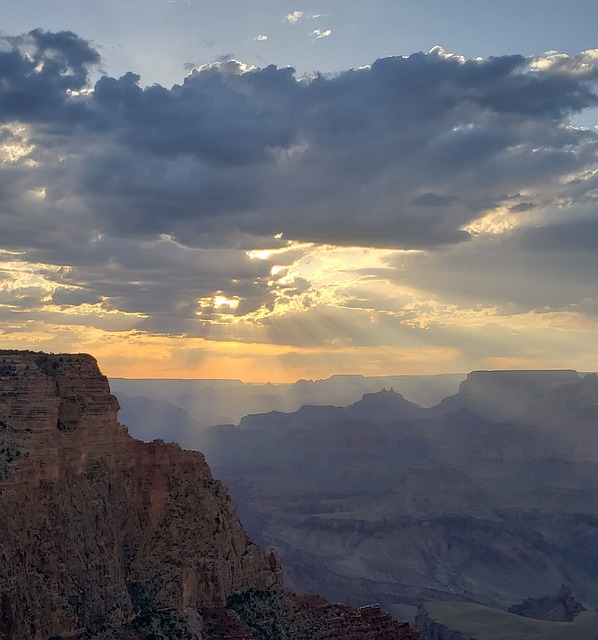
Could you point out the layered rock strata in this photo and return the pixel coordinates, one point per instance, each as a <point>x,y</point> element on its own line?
<point>104,536</point>
<point>98,524</point>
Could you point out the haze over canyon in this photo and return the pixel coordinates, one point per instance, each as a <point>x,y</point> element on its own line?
<point>488,496</point>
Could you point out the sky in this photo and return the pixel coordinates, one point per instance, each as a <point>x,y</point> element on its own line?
<point>275,190</point>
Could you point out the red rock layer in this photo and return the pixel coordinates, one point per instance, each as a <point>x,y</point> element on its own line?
<point>339,622</point>
<point>97,525</point>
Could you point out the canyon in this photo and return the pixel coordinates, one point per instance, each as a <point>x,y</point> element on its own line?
<point>106,537</point>
<point>446,515</point>
<point>488,497</point>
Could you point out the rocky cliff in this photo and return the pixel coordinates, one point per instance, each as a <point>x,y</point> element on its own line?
<point>401,510</point>
<point>103,536</point>
<point>562,607</point>
<point>505,395</point>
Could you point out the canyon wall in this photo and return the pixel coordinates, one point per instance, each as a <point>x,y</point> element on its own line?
<point>101,532</point>
<point>100,523</point>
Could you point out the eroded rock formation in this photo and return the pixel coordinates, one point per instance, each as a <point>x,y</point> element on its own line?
<point>400,509</point>
<point>104,536</point>
<point>562,607</point>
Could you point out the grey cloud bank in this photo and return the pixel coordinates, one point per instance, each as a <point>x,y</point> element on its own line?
<point>168,188</point>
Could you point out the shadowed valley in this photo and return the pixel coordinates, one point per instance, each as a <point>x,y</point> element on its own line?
<point>488,497</point>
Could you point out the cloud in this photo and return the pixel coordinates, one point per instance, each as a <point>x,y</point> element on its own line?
<point>38,70</point>
<point>424,144</point>
<point>430,199</point>
<point>294,16</point>
<point>146,201</point>
<point>318,34</point>
<point>527,270</point>
<point>261,38</point>
<point>150,285</point>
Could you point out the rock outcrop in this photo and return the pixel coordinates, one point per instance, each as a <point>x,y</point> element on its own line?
<point>402,510</point>
<point>431,629</point>
<point>505,395</point>
<point>104,536</point>
<point>563,607</point>
<point>275,615</point>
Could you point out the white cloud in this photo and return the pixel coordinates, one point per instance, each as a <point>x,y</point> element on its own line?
<point>294,16</point>
<point>261,38</point>
<point>318,34</point>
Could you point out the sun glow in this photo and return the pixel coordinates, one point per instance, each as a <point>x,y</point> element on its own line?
<point>325,310</point>
<point>14,145</point>
<point>500,220</point>
<point>16,275</point>
<point>222,302</point>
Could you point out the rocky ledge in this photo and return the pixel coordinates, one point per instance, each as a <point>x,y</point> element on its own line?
<point>104,536</point>
<point>562,607</point>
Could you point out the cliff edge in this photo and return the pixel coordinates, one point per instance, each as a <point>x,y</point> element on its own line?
<point>104,536</point>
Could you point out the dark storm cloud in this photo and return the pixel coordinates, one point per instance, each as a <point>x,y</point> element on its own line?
<point>401,154</point>
<point>404,153</point>
<point>207,117</point>
<point>36,71</point>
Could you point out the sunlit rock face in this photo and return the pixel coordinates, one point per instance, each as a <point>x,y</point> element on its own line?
<point>103,537</point>
<point>96,523</point>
